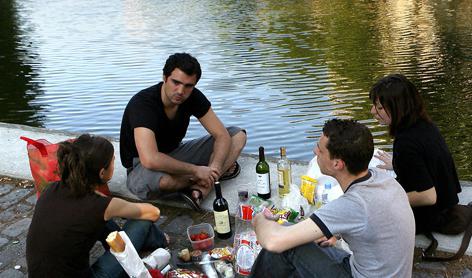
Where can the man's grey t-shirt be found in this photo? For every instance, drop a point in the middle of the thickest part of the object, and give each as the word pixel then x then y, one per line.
pixel 375 218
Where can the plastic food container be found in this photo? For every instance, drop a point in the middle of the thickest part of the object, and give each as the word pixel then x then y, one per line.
pixel 201 244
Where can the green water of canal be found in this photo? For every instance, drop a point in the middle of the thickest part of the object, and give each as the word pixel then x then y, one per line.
pixel 277 68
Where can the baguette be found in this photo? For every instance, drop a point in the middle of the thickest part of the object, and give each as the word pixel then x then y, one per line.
pixel 116 242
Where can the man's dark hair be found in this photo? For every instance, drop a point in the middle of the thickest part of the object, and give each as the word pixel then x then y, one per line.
pixel 350 141
pixel 183 61
pixel 400 99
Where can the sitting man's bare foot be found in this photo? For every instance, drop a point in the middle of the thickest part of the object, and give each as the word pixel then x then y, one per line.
pixel 232 172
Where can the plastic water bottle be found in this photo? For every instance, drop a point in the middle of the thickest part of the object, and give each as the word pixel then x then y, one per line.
pixel 325 194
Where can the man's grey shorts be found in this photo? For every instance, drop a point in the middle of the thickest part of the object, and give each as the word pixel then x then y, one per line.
pixel 144 183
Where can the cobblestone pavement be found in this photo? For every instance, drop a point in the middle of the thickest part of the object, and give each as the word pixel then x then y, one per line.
pixel 17 200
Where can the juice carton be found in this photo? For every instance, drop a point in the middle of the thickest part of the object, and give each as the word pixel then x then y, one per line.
pixel 308 188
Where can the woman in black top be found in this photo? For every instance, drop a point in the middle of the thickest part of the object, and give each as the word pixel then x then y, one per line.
pixel 70 216
pixel 421 158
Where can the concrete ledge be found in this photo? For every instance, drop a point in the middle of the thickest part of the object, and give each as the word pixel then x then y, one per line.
pixel 14 163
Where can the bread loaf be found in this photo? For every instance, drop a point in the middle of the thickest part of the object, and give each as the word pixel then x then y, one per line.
pixel 116 242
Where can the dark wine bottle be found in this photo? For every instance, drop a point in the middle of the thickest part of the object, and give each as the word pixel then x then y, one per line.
pixel 263 176
pixel 221 214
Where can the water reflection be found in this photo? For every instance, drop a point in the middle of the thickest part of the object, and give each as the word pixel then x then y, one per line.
pixel 277 68
pixel 18 66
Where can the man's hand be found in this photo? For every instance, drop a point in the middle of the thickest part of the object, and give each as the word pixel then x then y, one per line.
pixel 324 242
pixel 261 220
pixel 386 158
pixel 205 176
pixel 217 172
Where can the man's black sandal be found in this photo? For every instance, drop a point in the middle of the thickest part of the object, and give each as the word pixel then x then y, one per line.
pixel 231 175
pixel 193 202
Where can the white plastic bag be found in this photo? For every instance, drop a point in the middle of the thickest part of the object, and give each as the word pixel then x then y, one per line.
pixel 375 161
pixel 158 259
pixel 315 172
pixel 295 200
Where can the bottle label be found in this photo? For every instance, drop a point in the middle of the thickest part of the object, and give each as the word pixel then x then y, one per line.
pixel 262 183
pixel 222 221
pixel 284 181
pixel 284 177
pixel 281 178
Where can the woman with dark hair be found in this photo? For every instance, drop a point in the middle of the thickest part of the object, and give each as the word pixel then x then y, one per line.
pixel 70 216
pixel 421 158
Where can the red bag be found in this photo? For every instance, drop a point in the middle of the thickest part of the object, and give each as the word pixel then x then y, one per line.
pixel 43 163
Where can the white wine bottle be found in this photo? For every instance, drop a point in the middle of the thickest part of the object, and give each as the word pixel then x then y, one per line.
pixel 284 173
pixel 263 176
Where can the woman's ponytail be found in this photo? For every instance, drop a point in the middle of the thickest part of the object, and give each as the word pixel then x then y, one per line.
pixel 72 168
pixel 80 163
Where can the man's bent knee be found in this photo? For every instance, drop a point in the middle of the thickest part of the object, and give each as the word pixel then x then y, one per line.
pixel 170 183
pixel 165 183
pixel 239 140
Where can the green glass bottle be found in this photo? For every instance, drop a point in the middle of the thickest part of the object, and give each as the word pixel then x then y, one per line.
pixel 263 176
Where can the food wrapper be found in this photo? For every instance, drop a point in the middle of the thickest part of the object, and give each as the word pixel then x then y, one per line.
pixel 284 215
pixel 184 273
pixel 258 204
pixel 224 253
pixel 130 260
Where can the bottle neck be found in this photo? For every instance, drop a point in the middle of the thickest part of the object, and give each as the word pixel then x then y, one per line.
pixel 261 154
pixel 218 190
pixel 283 153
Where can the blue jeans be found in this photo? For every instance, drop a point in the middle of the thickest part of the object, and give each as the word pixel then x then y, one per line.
pixel 144 235
pixel 308 260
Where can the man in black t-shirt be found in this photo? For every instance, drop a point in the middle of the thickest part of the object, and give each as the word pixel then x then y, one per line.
pixel 154 123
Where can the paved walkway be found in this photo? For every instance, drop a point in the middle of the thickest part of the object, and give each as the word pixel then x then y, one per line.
pixel 17 200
